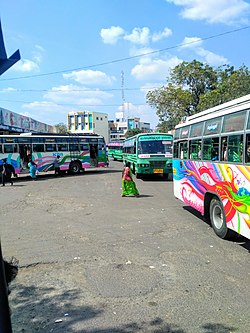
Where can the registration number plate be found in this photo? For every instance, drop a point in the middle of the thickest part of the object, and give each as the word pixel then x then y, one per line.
pixel 158 170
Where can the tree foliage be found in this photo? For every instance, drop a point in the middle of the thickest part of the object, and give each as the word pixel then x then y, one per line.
pixel 132 132
pixel 193 87
pixel 61 128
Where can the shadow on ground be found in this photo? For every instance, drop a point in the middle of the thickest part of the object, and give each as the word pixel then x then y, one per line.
pixel 40 310
pixel 156 178
pixel 236 238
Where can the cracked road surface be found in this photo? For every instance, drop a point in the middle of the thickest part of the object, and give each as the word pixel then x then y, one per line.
pixel 94 262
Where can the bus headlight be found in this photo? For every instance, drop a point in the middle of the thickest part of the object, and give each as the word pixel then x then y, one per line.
pixel 143 165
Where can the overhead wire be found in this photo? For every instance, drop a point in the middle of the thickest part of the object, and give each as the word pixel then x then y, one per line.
pixel 127 58
pixel 102 64
pixel 68 104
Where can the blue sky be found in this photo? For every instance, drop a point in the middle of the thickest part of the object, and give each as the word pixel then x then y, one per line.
pixel 73 53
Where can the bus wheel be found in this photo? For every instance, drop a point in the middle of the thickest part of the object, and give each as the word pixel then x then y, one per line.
pixel 165 175
pixel 133 170
pixel 218 219
pixel 137 175
pixel 75 167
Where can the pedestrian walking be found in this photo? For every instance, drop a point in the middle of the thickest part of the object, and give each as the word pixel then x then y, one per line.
pixel 128 185
pixel 7 171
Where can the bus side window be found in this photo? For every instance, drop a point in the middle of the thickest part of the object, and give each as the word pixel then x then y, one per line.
pixel 215 149
pixel 73 147
pixel 175 150
pixel 224 149
pixel 195 149
pixel 183 151
pixel 10 148
pixel 247 156
pixel 38 147
pixel 50 147
pixel 84 146
pixel 62 147
pixel 235 144
pixel 211 149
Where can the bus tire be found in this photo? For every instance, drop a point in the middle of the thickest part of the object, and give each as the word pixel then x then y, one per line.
pixel 133 170
pixel 165 175
pixel 137 175
pixel 75 167
pixel 218 219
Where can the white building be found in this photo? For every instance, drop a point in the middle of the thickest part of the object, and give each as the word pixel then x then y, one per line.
pixel 119 127
pixel 88 122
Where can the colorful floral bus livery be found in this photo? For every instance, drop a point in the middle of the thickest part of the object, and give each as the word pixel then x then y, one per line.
pixel 211 165
pixel 76 152
pixel 230 182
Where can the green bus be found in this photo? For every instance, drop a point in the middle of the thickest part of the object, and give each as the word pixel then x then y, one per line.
pixel 115 150
pixel 149 154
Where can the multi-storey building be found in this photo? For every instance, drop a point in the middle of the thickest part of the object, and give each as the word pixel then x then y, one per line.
pixel 88 122
pixel 119 127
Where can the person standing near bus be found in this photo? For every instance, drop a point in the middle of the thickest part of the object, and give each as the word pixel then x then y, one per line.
pixel 7 171
pixel 57 166
pixel 128 185
pixel 33 168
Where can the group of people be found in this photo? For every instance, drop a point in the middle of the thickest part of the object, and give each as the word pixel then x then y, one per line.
pixel 128 185
pixel 7 170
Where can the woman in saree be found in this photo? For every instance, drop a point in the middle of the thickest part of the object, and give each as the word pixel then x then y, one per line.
pixel 128 185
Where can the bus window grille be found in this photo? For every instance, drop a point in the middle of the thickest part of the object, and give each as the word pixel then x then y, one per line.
pixel 157 164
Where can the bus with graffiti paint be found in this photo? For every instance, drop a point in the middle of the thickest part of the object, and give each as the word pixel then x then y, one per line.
pixel 149 154
pixel 76 152
pixel 115 150
pixel 211 165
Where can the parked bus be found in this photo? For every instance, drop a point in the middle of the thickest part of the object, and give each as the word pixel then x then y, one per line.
pixel 211 165
pixel 76 152
pixel 115 150
pixel 149 154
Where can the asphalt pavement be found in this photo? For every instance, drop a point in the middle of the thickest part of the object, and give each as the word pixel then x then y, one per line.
pixel 92 261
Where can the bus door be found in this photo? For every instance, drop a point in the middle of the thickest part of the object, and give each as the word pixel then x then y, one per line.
pixel 93 152
pixel 25 152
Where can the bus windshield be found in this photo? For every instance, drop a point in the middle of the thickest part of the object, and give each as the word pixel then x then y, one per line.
pixel 155 147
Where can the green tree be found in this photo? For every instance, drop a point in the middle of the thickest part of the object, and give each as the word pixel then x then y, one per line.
pixel 172 104
pixel 132 132
pixel 61 128
pixel 231 84
pixel 193 87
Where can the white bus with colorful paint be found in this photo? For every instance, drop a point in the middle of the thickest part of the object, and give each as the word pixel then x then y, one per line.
pixel 76 152
pixel 149 154
pixel 211 165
